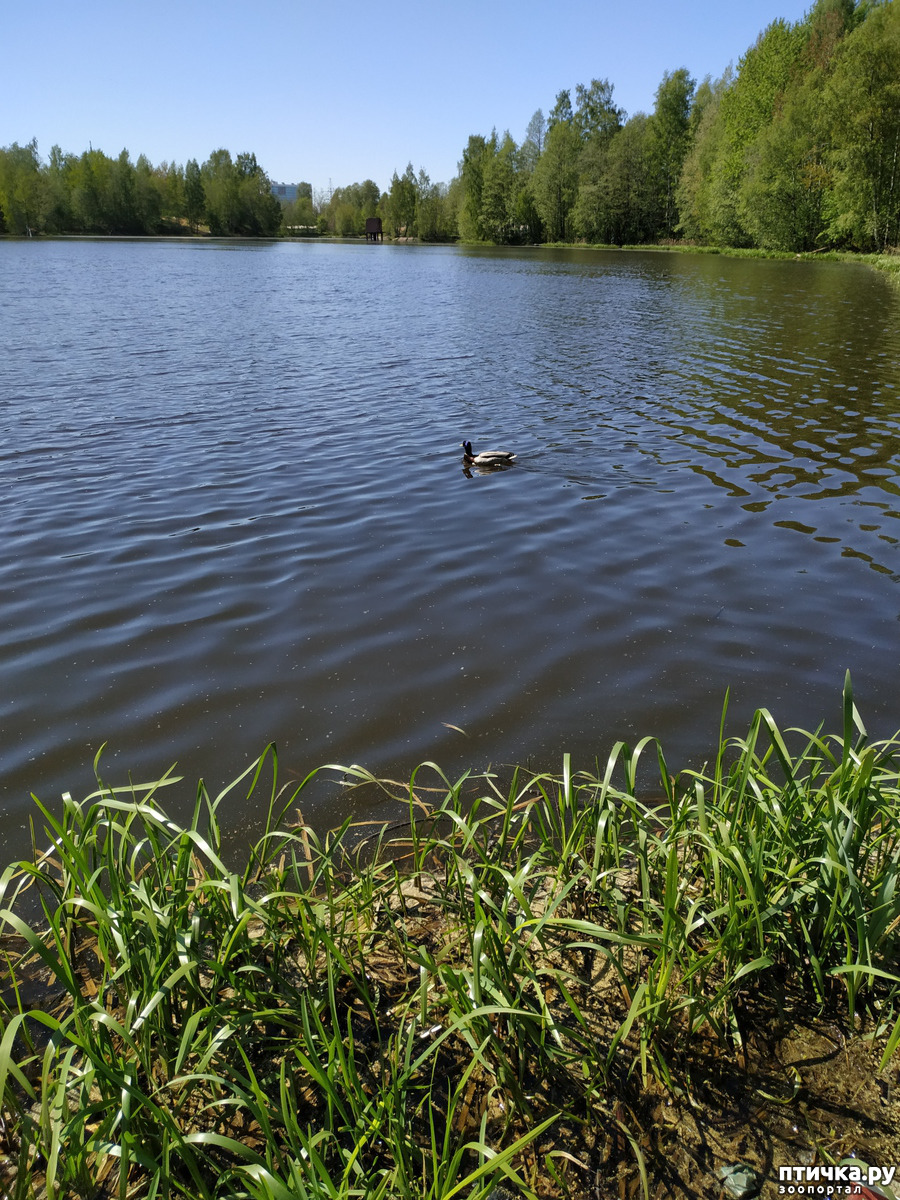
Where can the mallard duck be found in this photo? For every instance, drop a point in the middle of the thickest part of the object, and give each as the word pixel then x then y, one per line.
pixel 487 458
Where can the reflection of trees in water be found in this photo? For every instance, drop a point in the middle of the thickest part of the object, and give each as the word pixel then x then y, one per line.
pixel 816 420
pixel 775 381
pixel 812 452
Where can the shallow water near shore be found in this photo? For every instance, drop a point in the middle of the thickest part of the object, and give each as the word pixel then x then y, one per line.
pixel 235 509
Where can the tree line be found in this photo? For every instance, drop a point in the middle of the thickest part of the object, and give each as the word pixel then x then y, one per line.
pixel 94 194
pixel 797 148
pixel 91 193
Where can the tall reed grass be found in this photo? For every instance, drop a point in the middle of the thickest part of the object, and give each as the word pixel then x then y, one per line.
pixel 417 1015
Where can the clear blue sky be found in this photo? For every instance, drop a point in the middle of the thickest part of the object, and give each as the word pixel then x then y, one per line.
pixel 337 93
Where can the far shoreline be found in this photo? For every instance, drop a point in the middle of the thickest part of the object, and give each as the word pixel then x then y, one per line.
pixel 887 264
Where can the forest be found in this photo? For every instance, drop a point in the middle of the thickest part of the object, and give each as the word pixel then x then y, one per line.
pixel 797 148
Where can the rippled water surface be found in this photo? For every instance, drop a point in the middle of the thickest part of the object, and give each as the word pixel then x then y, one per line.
pixel 234 508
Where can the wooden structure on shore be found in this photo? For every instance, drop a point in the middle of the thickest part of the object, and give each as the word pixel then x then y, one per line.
pixel 374 231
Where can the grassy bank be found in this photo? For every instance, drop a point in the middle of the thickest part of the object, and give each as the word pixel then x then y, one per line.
pixel 593 984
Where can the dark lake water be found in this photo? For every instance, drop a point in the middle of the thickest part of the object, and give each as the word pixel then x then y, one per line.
pixel 234 509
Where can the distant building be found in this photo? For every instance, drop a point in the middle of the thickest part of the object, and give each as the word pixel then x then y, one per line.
pixel 285 192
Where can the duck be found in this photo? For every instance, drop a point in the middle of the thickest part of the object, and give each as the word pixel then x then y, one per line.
pixel 487 458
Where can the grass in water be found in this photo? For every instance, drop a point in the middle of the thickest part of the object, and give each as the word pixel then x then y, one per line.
pixel 574 985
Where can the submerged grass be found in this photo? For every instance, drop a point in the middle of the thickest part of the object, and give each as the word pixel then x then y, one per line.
pixel 488 1003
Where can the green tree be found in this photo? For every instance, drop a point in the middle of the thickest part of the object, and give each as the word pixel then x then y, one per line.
pixel 22 188
pixel 618 198
pixel 528 218
pixel 597 121
pixel 786 178
pixel 221 187
pixel 341 212
pixel 300 216
pixel 763 74
pixel 239 198
pixel 194 194
pixel 344 219
pixel 121 208
pixel 825 25
pixel 451 202
pixel 734 114
pixel 707 95
pixel 670 137
pixel 403 197
pixel 555 181
pixel 259 213
pixel 170 181
pixel 748 108
pixel 530 150
pixel 864 109
pixel 148 196
pixel 499 191
pixel 476 155
pixel 59 187
pixel 694 193
pixel 596 117
pixel 433 219
pixel 92 191
pixel 561 112
pixel 369 196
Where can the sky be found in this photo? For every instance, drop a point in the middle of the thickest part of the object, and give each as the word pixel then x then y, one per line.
pixel 334 94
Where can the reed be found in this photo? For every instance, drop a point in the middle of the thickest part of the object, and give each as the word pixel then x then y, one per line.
pixel 418 1016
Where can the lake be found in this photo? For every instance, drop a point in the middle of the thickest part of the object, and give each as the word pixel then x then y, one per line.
pixel 235 509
